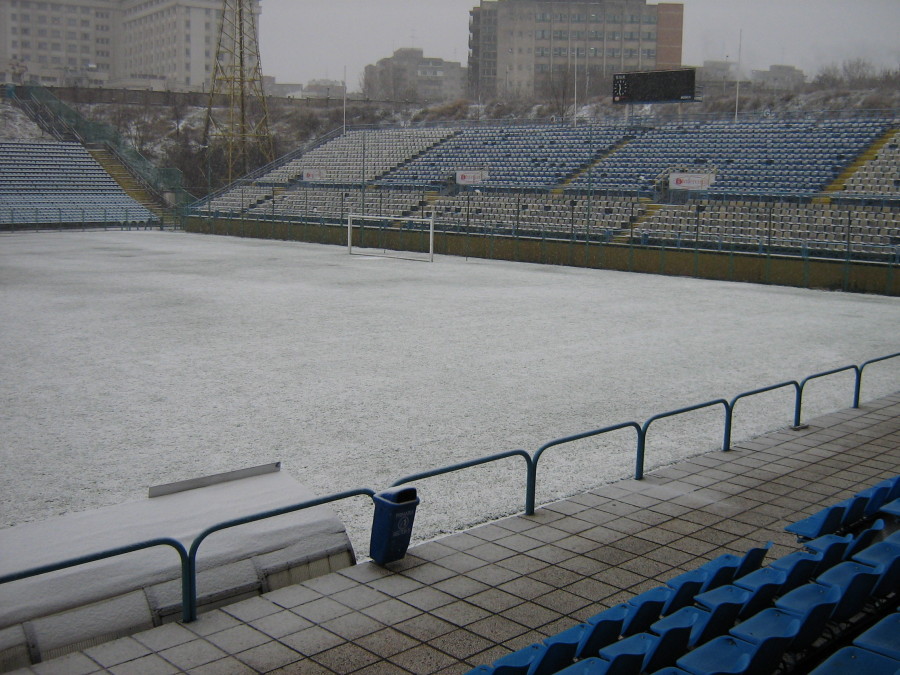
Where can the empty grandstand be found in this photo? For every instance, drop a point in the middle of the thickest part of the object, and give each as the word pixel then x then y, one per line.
pixel 59 184
pixel 804 186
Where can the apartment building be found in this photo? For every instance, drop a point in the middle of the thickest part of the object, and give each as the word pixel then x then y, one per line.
pixel 542 48
pixel 148 44
pixel 410 75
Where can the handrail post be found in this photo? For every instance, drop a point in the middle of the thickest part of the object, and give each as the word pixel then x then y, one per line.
pixel 530 488
pixel 729 415
pixel 798 403
pixel 639 457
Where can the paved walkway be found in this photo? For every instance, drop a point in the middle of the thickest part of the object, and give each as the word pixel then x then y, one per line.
pixel 469 598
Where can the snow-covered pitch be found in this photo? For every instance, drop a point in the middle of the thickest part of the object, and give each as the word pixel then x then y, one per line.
pixel 137 358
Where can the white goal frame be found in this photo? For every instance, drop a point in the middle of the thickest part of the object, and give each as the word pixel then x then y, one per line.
pixel 356 218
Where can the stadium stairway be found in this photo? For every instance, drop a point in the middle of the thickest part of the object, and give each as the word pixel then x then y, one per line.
pixel 648 211
pixel 475 597
pixel 590 166
pixel 120 173
pixel 839 183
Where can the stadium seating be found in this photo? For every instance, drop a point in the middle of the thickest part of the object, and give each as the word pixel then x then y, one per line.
pixel 733 615
pixel 47 182
pixel 774 188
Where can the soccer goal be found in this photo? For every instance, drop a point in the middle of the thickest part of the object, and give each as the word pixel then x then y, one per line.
pixel 376 232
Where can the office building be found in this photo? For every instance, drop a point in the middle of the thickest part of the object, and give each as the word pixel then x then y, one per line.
pixel 548 48
pixel 148 44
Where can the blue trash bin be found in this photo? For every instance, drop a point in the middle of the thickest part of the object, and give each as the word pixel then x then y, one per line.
pixel 392 523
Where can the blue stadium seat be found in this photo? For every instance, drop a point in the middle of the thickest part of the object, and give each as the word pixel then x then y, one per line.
pixel 604 628
pixel 763 584
pixel 882 638
pixel 813 604
pixel 727 654
pixel 855 582
pixel 826 521
pixel 857 661
pixel 884 557
pixel 644 609
pixel 799 566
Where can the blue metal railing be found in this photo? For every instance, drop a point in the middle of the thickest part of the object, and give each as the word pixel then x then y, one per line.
pixel 188 557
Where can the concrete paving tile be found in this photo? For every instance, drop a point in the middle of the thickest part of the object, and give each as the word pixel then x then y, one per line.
pixel 492 575
pixel 491 552
pixel 423 659
pixel 522 563
pixel 292 596
pixel 237 639
pixel 562 601
pixel 366 572
pixel 424 627
pixel 496 628
pixel 352 626
pixel 427 598
pixel 329 584
pixel 359 597
pixel 269 656
pixel 494 600
pixel 346 658
pixel 460 643
pixel 385 668
pixel 550 553
pixel 165 636
pixel 252 608
pixel 531 615
pixel 395 585
pixel 525 588
pixel 312 640
pixel 151 664
pixel 460 586
pixel 118 651
pixel 460 613
pixel 429 573
pixel 75 663
pixel 555 576
pixel 462 562
pixel 226 666
pixel 321 610
pixel 192 654
pixel 387 642
pixel 391 611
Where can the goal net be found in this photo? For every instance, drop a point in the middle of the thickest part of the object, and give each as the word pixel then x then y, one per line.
pixel 394 236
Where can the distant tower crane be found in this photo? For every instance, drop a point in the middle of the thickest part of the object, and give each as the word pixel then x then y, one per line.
pixel 237 114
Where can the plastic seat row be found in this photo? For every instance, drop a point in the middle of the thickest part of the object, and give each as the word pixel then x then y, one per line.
pixel 757 644
pixel 864 505
pixel 785 605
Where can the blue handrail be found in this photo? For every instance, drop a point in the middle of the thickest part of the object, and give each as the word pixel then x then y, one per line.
pixel 189 557
pixel 531 486
pixel 729 415
pixel 642 438
pixel 189 610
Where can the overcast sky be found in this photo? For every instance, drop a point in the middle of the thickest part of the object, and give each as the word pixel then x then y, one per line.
pixel 303 40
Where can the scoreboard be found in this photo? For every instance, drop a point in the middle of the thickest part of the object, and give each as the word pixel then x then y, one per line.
pixel 655 86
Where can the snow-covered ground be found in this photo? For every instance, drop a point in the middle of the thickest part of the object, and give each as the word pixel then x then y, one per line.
pixel 137 358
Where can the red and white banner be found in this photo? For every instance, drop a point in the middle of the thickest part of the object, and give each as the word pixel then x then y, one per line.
pixel 315 174
pixel 470 177
pixel 690 181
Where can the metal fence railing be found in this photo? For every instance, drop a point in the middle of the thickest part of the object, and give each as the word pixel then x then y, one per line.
pixel 188 555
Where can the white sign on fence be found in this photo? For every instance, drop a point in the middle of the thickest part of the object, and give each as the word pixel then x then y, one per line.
pixel 470 177
pixel 690 181
pixel 315 174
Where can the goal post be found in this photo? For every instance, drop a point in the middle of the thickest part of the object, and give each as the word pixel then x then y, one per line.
pixel 355 220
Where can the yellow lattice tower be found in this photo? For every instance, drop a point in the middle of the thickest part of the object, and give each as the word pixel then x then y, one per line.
pixel 241 118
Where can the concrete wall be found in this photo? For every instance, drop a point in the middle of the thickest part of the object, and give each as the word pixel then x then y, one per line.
pixel 854 276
